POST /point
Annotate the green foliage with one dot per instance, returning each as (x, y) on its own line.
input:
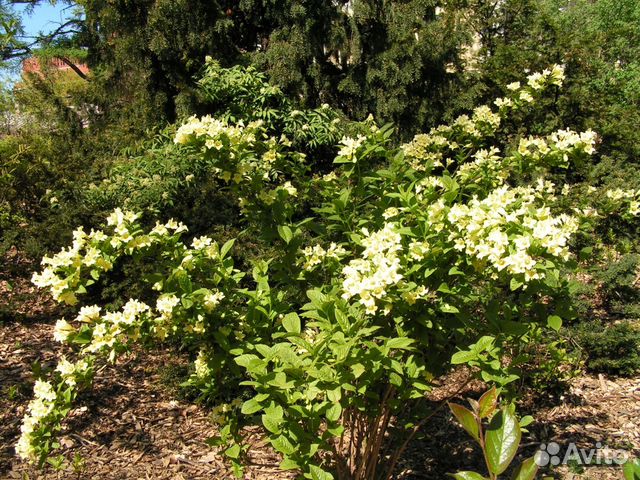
(499, 439)
(618, 282)
(374, 279)
(243, 93)
(385, 58)
(631, 470)
(164, 178)
(610, 348)
(597, 41)
(346, 294)
(47, 162)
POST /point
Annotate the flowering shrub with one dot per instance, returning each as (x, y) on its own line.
(382, 274)
(162, 175)
(242, 93)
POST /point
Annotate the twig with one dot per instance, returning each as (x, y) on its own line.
(82, 439)
(414, 431)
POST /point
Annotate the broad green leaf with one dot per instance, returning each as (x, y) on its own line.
(463, 357)
(289, 464)
(333, 412)
(467, 476)
(285, 233)
(455, 271)
(401, 343)
(291, 323)
(488, 402)
(233, 451)
(334, 395)
(554, 322)
(342, 320)
(250, 406)
(357, 369)
(515, 284)
(226, 247)
(271, 423)
(526, 470)
(395, 379)
(447, 308)
(319, 474)
(484, 343)
(526, 420)
(631, 470)
(283, 445)
(502, 440)
(467, 419)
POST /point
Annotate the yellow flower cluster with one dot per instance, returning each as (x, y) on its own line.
(622, 196)
(116, 327)
(201, 364)
(240, 147)
(566, 140)
(536, 82)
(368, 277)
(349, 147)
(38, 408)
(270, 196)
(219, 412)
(427, 186)
(211, 300)
(314, 256)
(487, 163)
(96, 251)
(215, 133)
(426, 151)
(506, 227)
(108, 328)
(69, 371)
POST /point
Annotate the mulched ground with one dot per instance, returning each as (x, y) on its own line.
(131, 426)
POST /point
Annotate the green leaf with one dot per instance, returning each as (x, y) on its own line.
(502, 440)
(526, 470)
(467, 476)
(334, 395)
(226, 247)
(483, 343)
(554, 322)
(467, 419)
(319, 474)
(631, 470)
(271, 423)
(291, 323)
(233, 451)
(446, 308)
(283, 445)
(289, 464)
(333, 412)
(357, 369)
(400, 343)
(455, 271)
(285, 233)
(244, 360)
(488, 403)
(187, 303)
(342, 320)
(395, 379)
(250, 406)
(463, 357)
(526, 420)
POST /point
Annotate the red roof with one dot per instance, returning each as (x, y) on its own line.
(32, 65)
